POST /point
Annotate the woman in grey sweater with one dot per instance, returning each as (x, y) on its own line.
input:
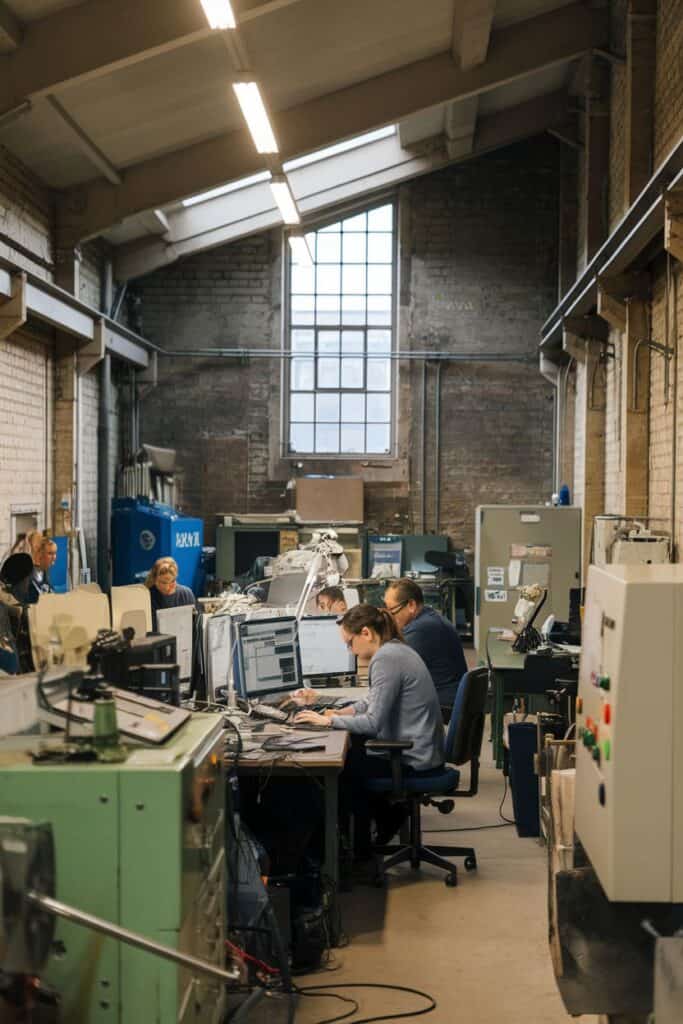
(402, 704)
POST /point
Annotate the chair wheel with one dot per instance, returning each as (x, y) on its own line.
(470, 863)
(446, 806)
(451, 881)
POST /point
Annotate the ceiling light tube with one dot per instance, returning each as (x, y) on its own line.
(256, 116)
(301, 253)
(284, 199)
(219, 13)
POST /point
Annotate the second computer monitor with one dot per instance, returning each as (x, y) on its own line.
(323, 652)
(268, 656)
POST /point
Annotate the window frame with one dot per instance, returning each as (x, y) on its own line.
(391, 455)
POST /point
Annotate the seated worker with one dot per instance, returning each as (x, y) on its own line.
(331, 601)
(44, 554)
(401, 704)
(433, 637)
(164, 589)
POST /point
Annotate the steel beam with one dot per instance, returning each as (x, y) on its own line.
(514, 53)
(472, 23)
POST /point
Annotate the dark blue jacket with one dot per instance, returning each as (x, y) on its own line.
(180, 596)
(438, 644)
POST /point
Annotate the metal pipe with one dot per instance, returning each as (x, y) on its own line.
(69, 913)
(437, 448)
(276, 353)
(423, 458)
(103, 474)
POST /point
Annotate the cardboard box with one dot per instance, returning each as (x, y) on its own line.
(336, 499)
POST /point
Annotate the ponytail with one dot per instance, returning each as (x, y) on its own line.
(367, 616)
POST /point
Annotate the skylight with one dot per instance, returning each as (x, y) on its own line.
(292, 165)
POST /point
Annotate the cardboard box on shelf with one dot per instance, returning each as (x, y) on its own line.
(329, 499)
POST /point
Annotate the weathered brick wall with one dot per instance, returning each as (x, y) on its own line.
(479, 272)
(617, 115)
(668, 78)
(26, 215)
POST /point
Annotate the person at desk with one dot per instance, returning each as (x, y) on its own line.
(331, 601)
(434, 638)
(164, 589)
(401, 704)
(44, 554)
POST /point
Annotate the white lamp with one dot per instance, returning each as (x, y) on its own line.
(256, 116)
(219, 13)
(284, 199)
(301, 253)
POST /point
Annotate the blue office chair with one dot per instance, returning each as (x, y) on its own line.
(463, 745)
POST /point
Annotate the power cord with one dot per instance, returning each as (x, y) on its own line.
(506, 822)
(321, 991)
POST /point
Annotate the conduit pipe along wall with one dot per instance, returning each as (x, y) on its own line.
(423, 450)
(103, 474)
(409, 355)
(437, 448)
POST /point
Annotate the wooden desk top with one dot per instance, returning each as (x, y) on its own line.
(332, 758)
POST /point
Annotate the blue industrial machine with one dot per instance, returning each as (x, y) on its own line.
(144, 530)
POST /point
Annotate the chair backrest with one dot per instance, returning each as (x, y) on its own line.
(466, 726)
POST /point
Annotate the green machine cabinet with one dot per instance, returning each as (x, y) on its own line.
(140, 844)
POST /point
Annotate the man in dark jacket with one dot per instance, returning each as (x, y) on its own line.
(432, 636)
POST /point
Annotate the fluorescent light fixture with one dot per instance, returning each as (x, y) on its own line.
(258, 122)
(301, 254)
(223, 190)
(284, 199)
(341, 147)
(219, 13)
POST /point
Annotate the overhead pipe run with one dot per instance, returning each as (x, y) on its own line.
(266, 353)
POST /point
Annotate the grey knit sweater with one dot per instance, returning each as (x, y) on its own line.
(402, 704)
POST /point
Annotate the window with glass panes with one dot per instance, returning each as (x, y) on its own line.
(340, 335)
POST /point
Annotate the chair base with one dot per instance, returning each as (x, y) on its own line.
(415, 853)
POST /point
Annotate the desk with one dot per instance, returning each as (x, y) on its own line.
(513, 675)
(325, 765)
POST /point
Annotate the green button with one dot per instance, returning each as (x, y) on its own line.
(588, 738)
(606, 749)
(604, 682)
(596, 754)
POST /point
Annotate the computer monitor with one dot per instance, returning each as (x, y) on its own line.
(323, 652)
(268, 656)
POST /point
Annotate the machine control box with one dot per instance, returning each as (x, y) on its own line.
(629, 731)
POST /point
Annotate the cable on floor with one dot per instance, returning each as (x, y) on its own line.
(320, 990)
(506, 822)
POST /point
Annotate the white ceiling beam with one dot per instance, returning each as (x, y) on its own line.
(515, 52)
(472, 21)
(95, 38)
(95, 155)
(322, 186)
(11, 31)
(460, 122)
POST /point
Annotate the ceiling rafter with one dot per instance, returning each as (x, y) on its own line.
(97, 38)
(514, 52)
(380, 165)
(472, 24)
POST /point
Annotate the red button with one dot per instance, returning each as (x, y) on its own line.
(607, 714)
(589, 723)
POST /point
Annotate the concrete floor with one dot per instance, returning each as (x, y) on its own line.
(480, 949)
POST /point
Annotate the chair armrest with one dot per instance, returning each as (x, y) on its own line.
(393, 748)
(389, 745)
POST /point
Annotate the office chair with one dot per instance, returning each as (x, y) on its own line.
(463, 745)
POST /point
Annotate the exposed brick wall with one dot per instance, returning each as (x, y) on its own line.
(668, 78)
(617, 123)
(26, 368)
(26, 214)
(478, 274)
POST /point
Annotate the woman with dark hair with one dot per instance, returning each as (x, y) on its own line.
(401, 704)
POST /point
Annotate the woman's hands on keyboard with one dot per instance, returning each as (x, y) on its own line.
(313, 718)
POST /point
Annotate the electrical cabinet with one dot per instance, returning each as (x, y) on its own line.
(629, 731)
(143, 530)
(518, 545)
(140, 844)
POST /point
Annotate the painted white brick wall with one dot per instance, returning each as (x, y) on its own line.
(26, 371)
(26, 214)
